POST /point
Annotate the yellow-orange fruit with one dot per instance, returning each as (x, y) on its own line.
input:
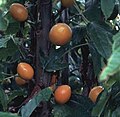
(60, 34)
(67, 3)
(18, 12)
(62, 94)
(25, 71)
(20, 81)
(94, 93)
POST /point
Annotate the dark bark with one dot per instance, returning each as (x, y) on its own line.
(84, 68)
(42, 78)
(64, 16)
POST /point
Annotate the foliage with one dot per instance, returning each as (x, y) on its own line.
(90, 58)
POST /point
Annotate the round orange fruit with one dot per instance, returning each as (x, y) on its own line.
(25, 71)
(60, 34)
(94, 93)
(67, 3)
(18, 12)
(20, 81)
(62, 94)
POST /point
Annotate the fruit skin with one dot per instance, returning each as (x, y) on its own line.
(62, 94)
(20, 81)
(18, 12)
(60, 34)
(25, 71)
(67, 3)
(94, 93)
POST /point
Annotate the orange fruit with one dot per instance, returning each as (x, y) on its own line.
(60, 34)
(62, 94)
(25, 71)
(67, 3)
(20, 81)
(94, 93)
(18, 12)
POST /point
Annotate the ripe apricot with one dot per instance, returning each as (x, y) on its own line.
(18, 12)
(67, 3)
(94, 93)
(25, 71)
(20, 81)
(60, 34)
(62, 94)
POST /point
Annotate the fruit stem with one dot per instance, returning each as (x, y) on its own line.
(65, 53)
(80, 12)
(74, 48)
(13, 76)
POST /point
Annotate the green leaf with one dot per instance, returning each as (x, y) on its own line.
(93, 10)
(3, 22)
(107, 7)
(116, 39)
(101, 38)
(43, 95)
(3, 41)
(3, 99)
(116, 113)
(113, 65)
(14, 94)
(5, 114)
(9, 50)
(12, 28)
(96, 57)
(61, 111)
(100, 106)
(56, 66)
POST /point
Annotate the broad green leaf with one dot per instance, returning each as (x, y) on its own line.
(93, 10)
(3, 41)
(100, 106)
(61, 111)
(101, 38)
(5, 114)
(3, 22)
(107, 7)
(113, 65)
(96, 57)
(12, 28)
(14, 94)
(116, 39)
(116, 113)
(43, 95)
(81, 106)
(9, 50)
(56, 66)
(3, 99)
(78, 34)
